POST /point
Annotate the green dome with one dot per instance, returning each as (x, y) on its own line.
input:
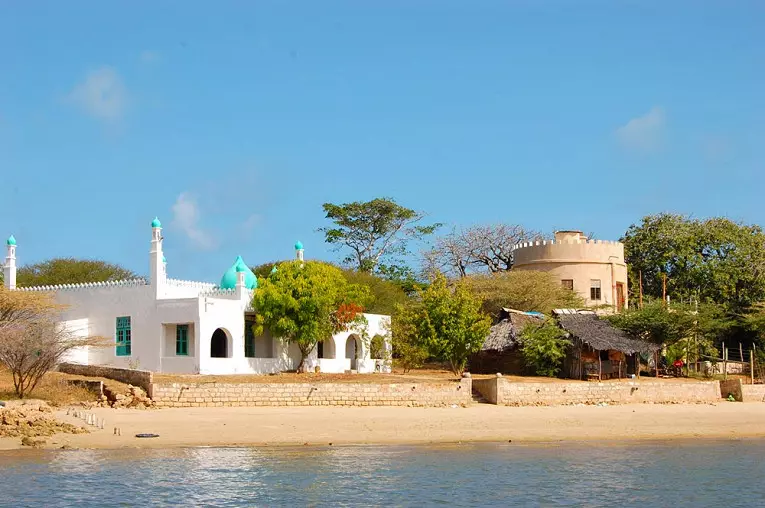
(274, 270)
(11, 240)
(155, 223)
(299, 245)
(229, 278)
(164, 259)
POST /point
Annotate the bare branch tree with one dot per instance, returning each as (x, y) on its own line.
(477, 249)
(32, 340)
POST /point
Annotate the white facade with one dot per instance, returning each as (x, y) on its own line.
(189, 327)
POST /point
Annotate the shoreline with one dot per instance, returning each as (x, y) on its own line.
(382, 426)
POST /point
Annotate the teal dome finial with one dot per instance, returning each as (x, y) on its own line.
(164, 259)
(11, 240)
(155, 223)
(274, 270)
(298, 245)
(229, 278)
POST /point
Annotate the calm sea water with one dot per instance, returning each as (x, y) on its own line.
(728, 474)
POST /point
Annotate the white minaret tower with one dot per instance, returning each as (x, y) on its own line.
(9, 268)
(299, 251)
(156, 259)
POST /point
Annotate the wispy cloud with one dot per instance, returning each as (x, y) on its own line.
(101, 94)
(644, 133)
(186, 217)
(149, 57)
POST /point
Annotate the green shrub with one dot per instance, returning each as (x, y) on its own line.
(544, 347)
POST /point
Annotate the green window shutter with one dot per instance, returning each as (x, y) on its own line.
(123, 336)
(249, 340)
(182, 340)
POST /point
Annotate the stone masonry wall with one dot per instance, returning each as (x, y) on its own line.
(311, 394)
(753, 393)
(141, 378)
(551, 394)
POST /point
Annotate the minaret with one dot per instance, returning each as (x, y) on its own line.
(240, 288)
(156, 259)
(9, 268)
(299, 251)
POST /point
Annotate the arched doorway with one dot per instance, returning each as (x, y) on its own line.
(219, 347)
(353, 350)
(326, 348)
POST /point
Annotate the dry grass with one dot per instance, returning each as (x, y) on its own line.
(52, 388)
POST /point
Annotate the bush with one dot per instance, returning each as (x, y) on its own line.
(544, 347)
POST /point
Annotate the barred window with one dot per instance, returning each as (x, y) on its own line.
(595, 289)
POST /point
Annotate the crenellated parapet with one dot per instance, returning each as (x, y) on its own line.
(568, 251)
(87, 285)
(190, 284)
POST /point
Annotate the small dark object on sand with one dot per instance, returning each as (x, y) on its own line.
(147, 435)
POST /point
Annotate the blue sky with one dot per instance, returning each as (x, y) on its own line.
(234, 121)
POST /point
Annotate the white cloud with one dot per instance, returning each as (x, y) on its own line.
(186, 217)
(149, 57)
(101, 94)
(644, 133)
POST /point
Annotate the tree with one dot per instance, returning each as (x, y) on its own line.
(409, 349)
(375, 231)
(526, 290)
(477, 249)
(32, 341)
(382, 294)
(70, 271)
(306, 303)
(448, 321)
(655, 323)
(544, 347)
(713, 260)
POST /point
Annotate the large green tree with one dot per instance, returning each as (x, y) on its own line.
(712, 260)
(525, 290)
(306, 303)
(375, 232)
(447, 320)
(70, 271)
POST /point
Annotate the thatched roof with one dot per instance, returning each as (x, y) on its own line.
(504, 335)
(601, 335)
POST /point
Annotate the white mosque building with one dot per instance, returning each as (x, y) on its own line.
(188, 327)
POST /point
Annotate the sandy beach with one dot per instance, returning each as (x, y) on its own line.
(270, 426)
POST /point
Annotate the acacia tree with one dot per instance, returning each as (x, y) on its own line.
(448, 321)
(32, 341)
(306, 303)
(481, 248)
(376, 232)
(70, 271)
(526, 290)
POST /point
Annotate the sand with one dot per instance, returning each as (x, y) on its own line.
(270, 426)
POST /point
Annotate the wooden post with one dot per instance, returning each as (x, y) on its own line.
(600, 367)
(751, 364)
(725, 362)
(656, 354)
(741, 351)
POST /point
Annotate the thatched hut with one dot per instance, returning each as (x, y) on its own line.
(500, 351)
(599, 351)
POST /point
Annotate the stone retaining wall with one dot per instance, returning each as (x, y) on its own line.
(503, 392)
(312, 394)
(753, 393)
(142, 378)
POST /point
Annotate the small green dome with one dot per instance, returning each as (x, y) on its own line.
(155, 223)
(164, 259)
(299, 245)
(274, 270)
(229, 278)
(11, 240)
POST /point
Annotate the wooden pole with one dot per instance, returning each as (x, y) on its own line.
(725, 362)
(751, 364)
(600, 368)
(657, 362)
(741, 351)
(640, 275)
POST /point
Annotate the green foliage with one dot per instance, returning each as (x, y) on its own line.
(409, 350)
(654, 323)
(377, 347)
(448, 321)
(521, 290)
(714, 260)
(299, 303)
(544, 347)
(70, 271)
(384, 295)
(373, 230)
